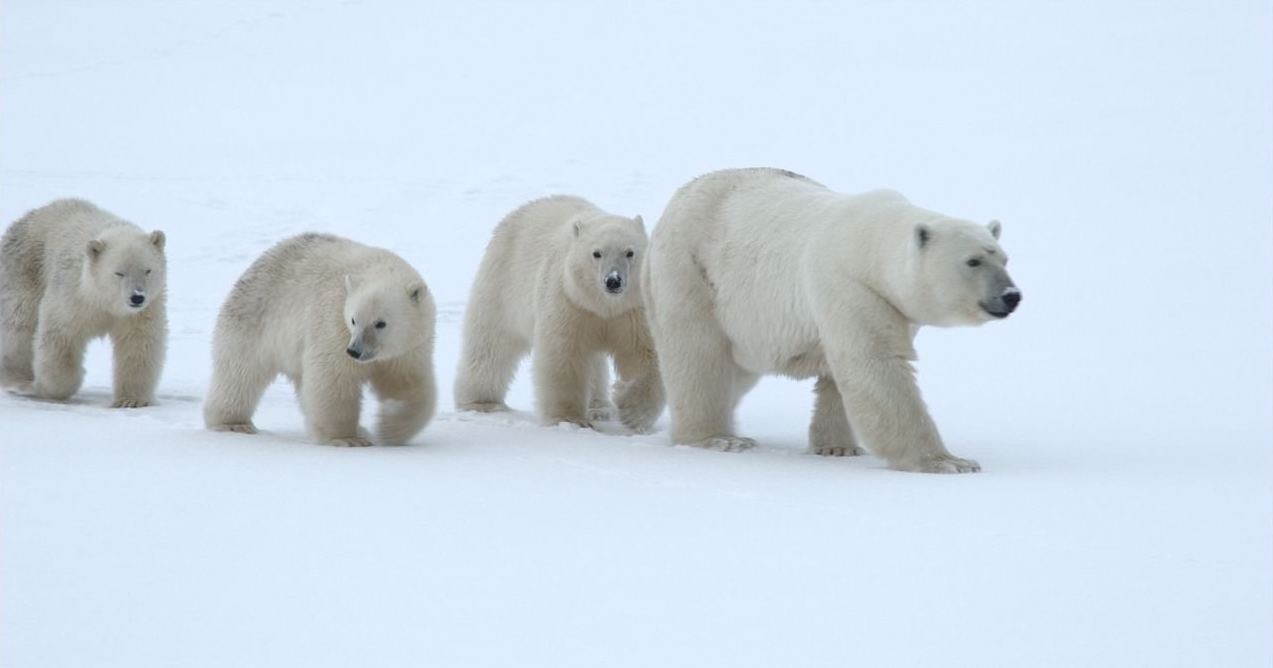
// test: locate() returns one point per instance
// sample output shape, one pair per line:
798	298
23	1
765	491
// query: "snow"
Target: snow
1122	416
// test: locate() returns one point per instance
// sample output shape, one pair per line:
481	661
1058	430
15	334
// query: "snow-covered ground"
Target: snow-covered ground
1124	417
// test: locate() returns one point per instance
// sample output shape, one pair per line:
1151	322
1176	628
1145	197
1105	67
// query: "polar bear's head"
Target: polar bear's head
126	269
386	316
960	273
602	265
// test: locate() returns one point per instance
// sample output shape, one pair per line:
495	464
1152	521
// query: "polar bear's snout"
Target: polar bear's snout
137	300
1011	297
614	282
360	348
1003	305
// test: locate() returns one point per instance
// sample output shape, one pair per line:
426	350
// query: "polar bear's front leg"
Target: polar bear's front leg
331	398
599	407
59	356
884	404
830	433
408	397
639	393
140	344
561	380
694	359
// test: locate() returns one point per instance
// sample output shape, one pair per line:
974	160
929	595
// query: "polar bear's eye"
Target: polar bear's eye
630	253
353	322
380	324
147	272
119	274
973	263
596	254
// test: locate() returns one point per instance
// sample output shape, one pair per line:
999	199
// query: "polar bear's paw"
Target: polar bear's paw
485	407
727	443
601	413
836	450
350	442
238	427
639	419
15	381
944	464
130	403
569	422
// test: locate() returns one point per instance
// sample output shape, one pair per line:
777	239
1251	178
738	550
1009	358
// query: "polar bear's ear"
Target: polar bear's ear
415	290
995	228
639	221
95	248
922	235
350	283
158	239
578	228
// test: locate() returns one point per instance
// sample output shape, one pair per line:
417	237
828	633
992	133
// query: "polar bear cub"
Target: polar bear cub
330	314
71	272
560	279
761	271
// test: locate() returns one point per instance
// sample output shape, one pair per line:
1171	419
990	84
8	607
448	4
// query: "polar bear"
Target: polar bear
560	279
330	314
71	272
762	271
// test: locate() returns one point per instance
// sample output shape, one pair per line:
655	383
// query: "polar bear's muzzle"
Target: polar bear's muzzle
360	349
1003	305
614	282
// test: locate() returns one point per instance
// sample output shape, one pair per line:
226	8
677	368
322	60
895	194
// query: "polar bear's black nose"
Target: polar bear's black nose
613	284
356	354
137	300
1011	299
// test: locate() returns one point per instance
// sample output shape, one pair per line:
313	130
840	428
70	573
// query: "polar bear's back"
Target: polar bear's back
528	237
729	203
738	222
52	240
727	180
760	240
305	267
769	216
526	245
279	276
293	289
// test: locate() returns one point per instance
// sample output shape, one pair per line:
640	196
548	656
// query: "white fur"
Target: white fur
540	289
67	273
761	271
297	311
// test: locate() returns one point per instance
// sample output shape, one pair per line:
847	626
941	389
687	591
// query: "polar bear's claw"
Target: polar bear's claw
947	464
485	407
601	414
571	423
727	443
837	451
238	427
350	442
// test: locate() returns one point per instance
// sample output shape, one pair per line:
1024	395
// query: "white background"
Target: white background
1122	417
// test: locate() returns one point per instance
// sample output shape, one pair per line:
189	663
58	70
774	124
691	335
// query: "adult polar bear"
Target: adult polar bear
759	271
